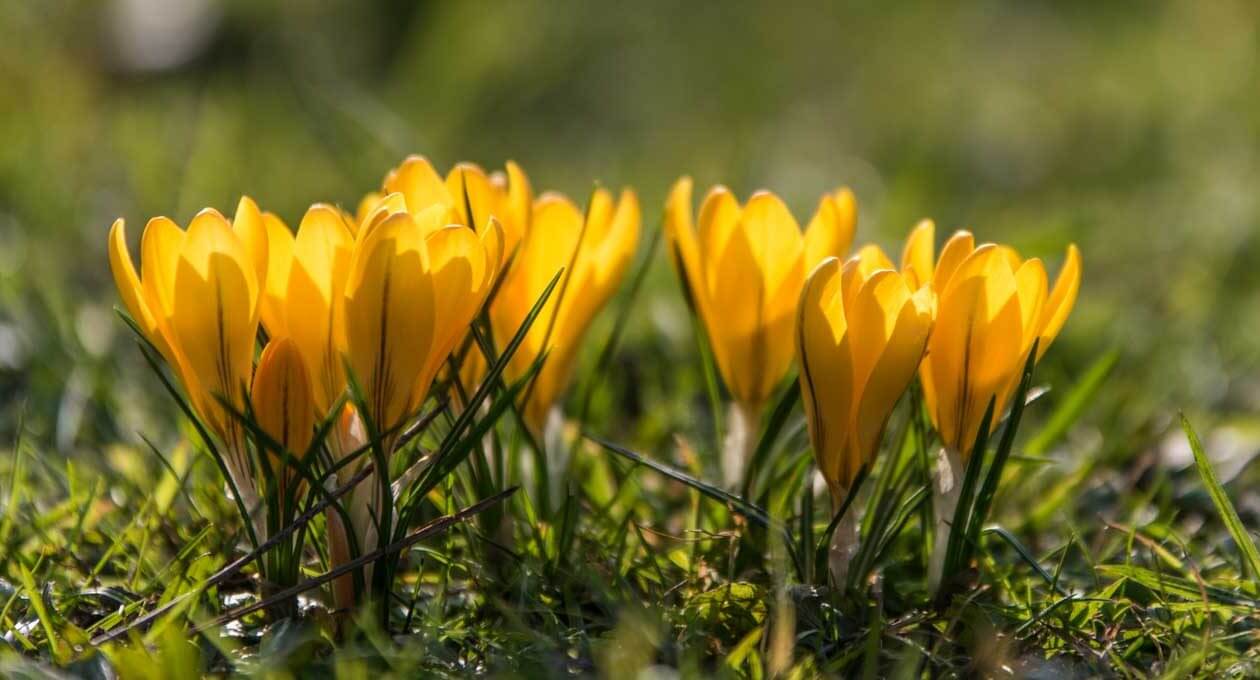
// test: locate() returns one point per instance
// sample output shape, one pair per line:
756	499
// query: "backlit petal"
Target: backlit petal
830	232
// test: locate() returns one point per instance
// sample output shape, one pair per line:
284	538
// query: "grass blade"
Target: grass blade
1246	546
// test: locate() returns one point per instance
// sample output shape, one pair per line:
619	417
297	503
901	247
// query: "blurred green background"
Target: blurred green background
1132	128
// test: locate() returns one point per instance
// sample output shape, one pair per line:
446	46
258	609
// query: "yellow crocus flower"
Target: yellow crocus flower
861	331
991	305
859	338
745	266
197	299
414	285
594	253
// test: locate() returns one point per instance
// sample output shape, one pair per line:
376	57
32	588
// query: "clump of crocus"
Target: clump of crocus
861	331
744	267
991	306
198	299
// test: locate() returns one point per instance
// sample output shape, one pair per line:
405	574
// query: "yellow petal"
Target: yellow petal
214	321
160	245
279	261
493	239
681	232
918	255
321	258
718	219
388	205
1062	299
458	271
957	248
826	370
905	326
869	259
776	241
366	205
520	201
470	179
388	315
251	231
830	232
281	397
129	287
420	185
1030	281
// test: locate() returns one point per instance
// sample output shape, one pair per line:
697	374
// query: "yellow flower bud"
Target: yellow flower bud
283	402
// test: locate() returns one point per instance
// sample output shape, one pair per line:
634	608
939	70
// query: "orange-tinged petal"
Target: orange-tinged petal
282	399
458	271
738	331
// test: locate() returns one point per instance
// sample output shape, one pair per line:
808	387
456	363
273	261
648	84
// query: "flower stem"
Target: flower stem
946	489
740	441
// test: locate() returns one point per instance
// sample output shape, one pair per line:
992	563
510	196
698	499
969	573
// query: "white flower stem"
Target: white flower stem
946	489
739	443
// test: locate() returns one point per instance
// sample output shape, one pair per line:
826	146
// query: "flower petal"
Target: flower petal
830	232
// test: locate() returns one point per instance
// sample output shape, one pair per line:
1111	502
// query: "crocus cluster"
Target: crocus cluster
373	305
364	313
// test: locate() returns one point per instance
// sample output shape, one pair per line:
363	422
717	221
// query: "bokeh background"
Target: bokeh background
1131	128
